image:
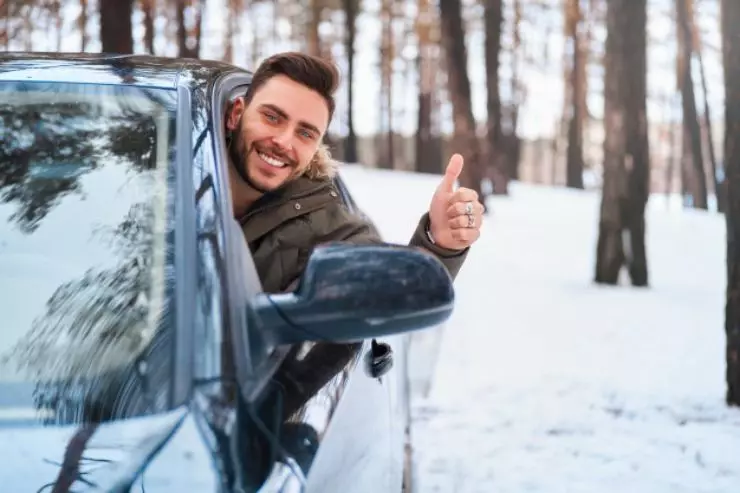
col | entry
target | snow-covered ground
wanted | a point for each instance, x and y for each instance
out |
(547, 383)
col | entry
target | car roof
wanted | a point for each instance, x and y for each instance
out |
(142, 70)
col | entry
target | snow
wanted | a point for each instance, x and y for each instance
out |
(546, 382)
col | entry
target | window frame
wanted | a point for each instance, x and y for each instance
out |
(185, 252)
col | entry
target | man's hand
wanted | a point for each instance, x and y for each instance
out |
(455, 216)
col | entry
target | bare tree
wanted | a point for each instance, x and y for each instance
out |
(509, 126)
(189, 38)
(698, 49)
(626, 155)
(235, 9)
(458, 82)
(730, 19)
(351, 8)
(494, 155)
(428, 158)
(313, 38)
(387, 158)
(148, 9)
(115, 26)
(693, 161)
(576, 113)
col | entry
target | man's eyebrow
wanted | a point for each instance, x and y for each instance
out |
(276, 109)
(310, 127)
(283, 114)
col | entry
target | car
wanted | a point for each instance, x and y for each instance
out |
(138, 350)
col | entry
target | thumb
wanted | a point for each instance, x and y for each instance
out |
(454, 168)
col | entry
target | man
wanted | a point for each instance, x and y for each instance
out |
(281, 177)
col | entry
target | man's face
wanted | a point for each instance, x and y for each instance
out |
(276, 136)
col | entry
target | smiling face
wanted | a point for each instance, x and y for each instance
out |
(277, 134)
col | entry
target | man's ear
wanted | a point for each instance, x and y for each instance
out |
(235, 113)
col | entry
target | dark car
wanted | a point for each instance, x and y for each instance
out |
(138, 351)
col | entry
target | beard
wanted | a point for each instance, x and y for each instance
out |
(239, 154)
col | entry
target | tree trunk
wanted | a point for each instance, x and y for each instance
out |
(147, 6)
(626, 155)
(4, 31)
(672, 155)
(494, 155)
(465, 140)
(718, 188)
(313, 39)
(115, 26)
(55, 10)
(730, 19)
(692, 155)
(188, 42)
(514, 143)
(350, 19)
(574, 153)
(182, 32)
(386, 157)
(426, 156)
(200, 7)
(232, 27)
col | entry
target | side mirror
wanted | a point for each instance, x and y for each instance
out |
(349, 293)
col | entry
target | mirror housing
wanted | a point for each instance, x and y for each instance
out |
(350, 292)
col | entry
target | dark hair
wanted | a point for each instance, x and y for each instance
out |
(313, 72)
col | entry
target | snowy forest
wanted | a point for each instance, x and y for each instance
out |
(634, 98)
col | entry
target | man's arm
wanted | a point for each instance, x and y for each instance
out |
(452, 259)
(352, 228)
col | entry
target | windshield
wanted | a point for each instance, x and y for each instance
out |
(85, 231)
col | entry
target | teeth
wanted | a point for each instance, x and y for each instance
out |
(271, 161)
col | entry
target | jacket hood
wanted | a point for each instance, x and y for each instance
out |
(322, 166)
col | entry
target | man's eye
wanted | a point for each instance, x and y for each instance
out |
(271, 117)
(306, 134)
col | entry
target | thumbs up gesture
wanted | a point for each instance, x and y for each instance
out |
(455, 216)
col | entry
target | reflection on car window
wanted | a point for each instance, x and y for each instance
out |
(85, 229)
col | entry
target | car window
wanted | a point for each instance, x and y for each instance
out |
(85, 235)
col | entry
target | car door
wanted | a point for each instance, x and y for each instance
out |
(395, 384)
(329, 404)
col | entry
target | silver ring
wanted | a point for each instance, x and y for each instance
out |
(468, 208)
(471, 220)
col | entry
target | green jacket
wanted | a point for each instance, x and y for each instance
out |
(284, 226)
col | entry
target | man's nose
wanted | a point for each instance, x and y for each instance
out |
(284, 139)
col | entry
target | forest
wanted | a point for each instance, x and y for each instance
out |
(633, 98)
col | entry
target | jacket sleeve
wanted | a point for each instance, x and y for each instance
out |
(357, 230)
(452, 259)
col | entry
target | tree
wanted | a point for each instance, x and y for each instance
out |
(512, 144)
(698, 49)
(188, 41)
(115, 26)
(427, 155)
(574, 154)
(458, 82)
(149, 11)
(387, 156)
(626, 153)
(351, 8)
(493, 20)
(693, 159)
(730, 19)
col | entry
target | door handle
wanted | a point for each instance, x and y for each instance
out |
(379, 360)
